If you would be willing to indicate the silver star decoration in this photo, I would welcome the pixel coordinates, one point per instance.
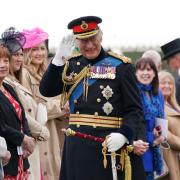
(107, 108)
(70, 77)
(107, 92)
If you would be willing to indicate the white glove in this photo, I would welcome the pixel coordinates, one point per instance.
(3, 147)
(41, 115)
(64, 51)
(115, 141)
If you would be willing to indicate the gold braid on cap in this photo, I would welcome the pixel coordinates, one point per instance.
(74, 81)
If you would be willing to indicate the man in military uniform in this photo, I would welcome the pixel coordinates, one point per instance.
(171, 51)
(104, 107)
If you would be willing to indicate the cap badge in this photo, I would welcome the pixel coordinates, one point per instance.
(84, 25)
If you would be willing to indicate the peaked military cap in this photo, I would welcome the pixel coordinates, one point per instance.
(85, 27)
(171, 48)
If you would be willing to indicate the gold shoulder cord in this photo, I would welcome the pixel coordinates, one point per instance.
(74, 81)
(121, 57)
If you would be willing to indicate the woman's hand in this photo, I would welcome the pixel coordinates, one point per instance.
(140, 147)
(66, 110)
(158, 138)
(28, 145)
(157, 131)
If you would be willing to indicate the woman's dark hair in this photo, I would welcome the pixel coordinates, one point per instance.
(141, 64)
(18, 73)
(4, 52)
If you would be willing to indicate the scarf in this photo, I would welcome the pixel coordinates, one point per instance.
(153, 107)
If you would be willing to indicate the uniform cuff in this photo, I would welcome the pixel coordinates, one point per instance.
(127, 132)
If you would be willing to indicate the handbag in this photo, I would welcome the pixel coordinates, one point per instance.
(164, 173)
(165, 169)
(3, 147)
(41, 115)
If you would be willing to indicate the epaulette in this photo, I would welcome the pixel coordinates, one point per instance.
(75, 54)
(121, 57)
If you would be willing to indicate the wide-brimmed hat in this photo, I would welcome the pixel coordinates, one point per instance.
(171, 48)
(85, 27)
(34, 37)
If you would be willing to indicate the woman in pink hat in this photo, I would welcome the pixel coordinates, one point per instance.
(36, 53)
(38, 131)
(13, 122)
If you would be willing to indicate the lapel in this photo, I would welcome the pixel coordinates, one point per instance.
(33, 80)
(22, 88)
(6, 100)
(16, 85)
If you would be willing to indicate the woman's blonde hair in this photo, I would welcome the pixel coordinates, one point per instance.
(172, 98)
(28, 62)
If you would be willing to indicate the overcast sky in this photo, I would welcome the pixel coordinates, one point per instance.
(125, 22)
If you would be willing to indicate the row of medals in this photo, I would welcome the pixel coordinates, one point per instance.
(102, 72)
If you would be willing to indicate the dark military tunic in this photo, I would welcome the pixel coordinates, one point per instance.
(82, 159)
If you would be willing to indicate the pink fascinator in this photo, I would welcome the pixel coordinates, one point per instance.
(34, 37)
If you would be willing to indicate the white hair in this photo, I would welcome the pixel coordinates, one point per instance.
(152, 54)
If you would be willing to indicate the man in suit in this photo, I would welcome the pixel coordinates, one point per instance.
(171, 52)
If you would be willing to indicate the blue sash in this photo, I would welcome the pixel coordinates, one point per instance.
(78, 91)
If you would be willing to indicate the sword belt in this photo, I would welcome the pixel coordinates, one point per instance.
(95, 121)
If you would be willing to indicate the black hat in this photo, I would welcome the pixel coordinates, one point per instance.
(12, 39)
(171, 48)
(85, 27)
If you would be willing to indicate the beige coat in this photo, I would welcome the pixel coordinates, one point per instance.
(50, 150)
(171, 156)
(37, 130)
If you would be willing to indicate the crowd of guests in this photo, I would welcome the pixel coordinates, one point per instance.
(31, 140)
(159, 99)
(30, 123)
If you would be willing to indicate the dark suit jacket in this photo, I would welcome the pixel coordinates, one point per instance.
(10, 129)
